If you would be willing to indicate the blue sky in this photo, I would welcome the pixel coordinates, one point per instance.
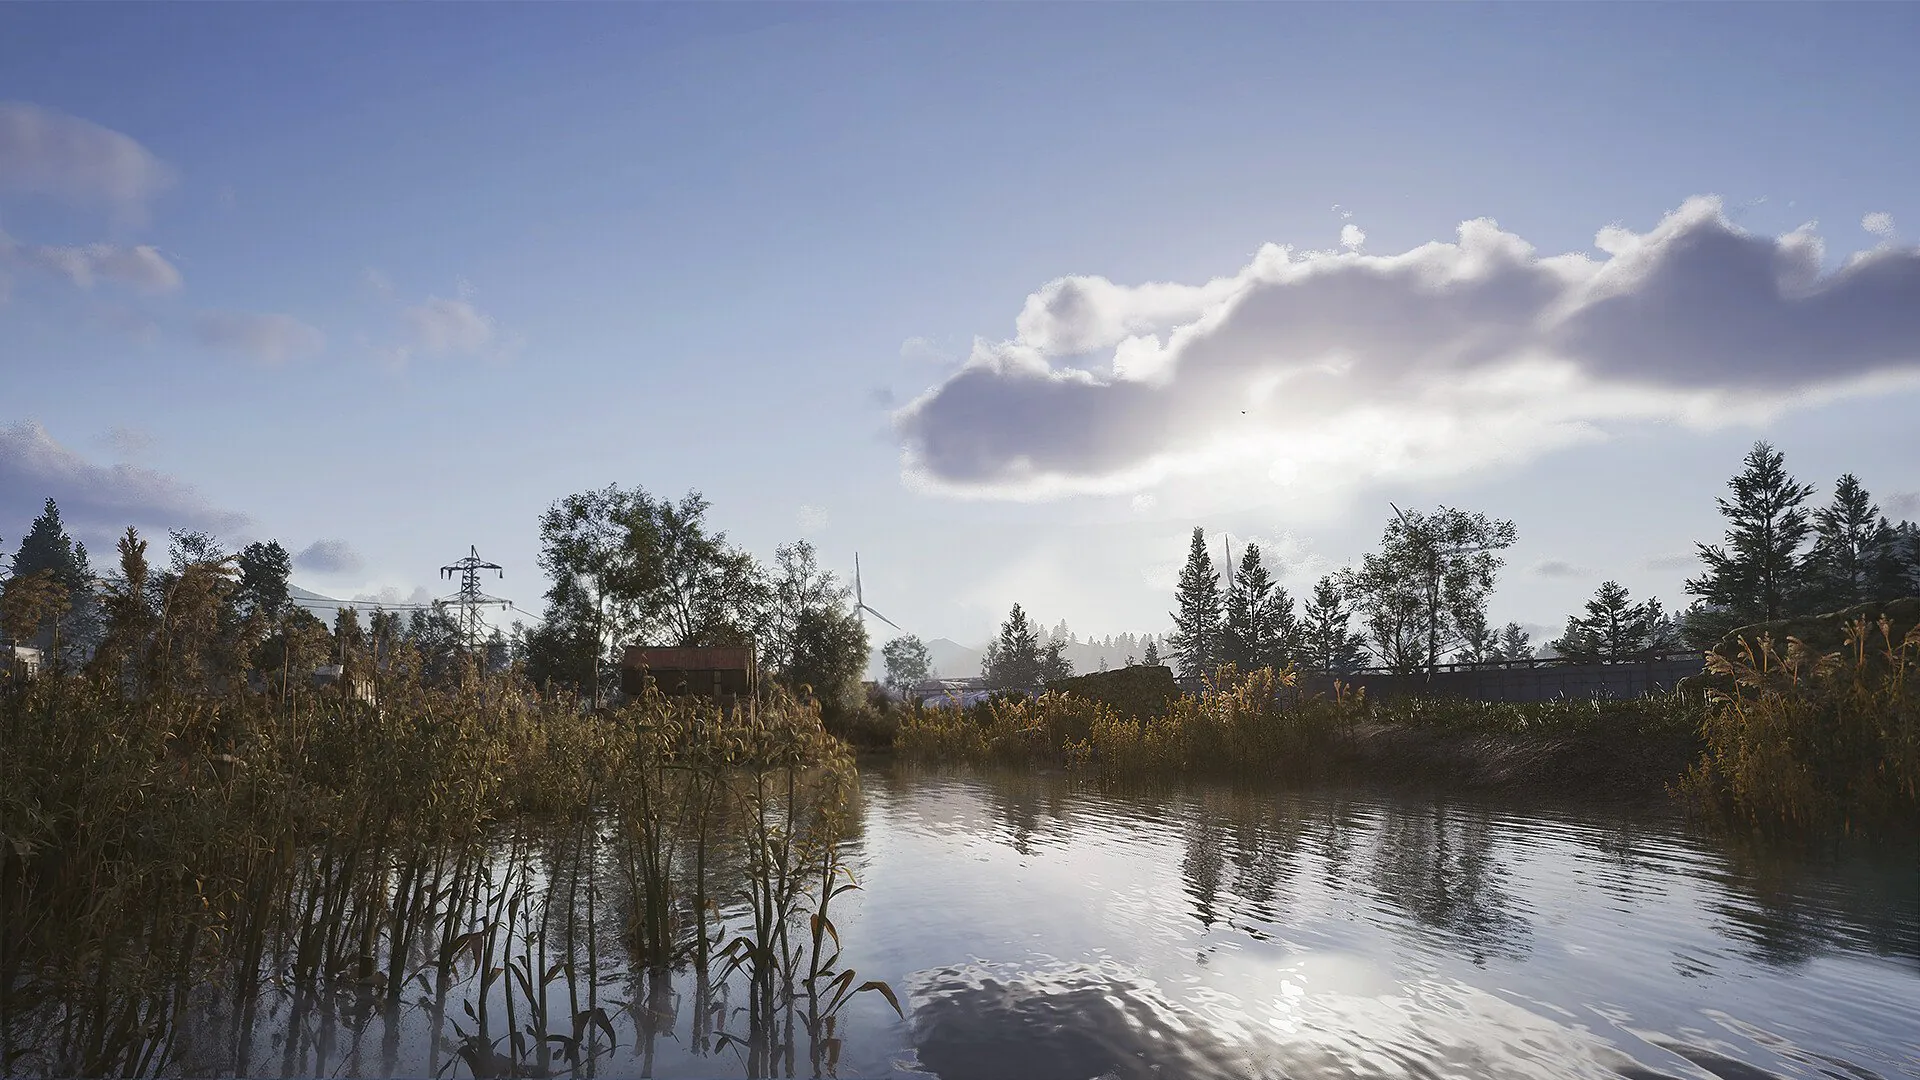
(397, 277)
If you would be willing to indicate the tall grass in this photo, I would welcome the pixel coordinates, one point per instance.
(468, 848)
(1795, 736)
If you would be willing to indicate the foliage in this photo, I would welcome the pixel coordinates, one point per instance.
(1260, 629)
(1197, 621)
(908, 662)
(264, 572)
(1014, 660)
(1759, 573)
(1806, 737)
(1140, 691)
(1428, 585)
(47, 549)
(1615, 629)
(1856, 555)
(1327, 646)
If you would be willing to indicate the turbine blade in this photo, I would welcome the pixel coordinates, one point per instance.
(857, 597)
(882, 618)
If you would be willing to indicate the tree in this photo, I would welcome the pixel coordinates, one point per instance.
(797, 589)
(124, 656)
(264, 572)
(1326, 645)
(829, 655)
(1480, 642)
(1855, 556)
(1053, 661)
(1614, 629)
(1759, 575)
(908, 662)
(601, 551)
(1196, 625)
(1013, 661)
(703, 592)
(48, 549)
(1514, 643)
(1260, 628)
(1151, 657)
(1428, 584)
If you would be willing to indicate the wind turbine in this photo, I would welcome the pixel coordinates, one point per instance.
(860, 600)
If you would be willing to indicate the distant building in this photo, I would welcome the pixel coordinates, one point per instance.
(19, 662)
(718, 672)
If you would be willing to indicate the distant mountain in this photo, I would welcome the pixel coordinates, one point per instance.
(952, 660)
(324, 608)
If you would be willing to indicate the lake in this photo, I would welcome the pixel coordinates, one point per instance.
(1036, 926)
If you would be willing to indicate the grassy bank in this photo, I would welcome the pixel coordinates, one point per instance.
(1780, 733)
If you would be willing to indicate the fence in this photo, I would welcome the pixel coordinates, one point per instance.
(1520, 680)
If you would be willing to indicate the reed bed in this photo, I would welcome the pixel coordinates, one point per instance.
(178, 865)
(1799, 737)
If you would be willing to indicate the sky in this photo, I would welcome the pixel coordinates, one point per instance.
(1006, 298)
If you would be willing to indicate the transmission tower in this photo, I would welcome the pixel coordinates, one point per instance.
(469, 600)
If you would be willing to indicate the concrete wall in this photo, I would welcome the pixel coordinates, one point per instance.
(1538, 683)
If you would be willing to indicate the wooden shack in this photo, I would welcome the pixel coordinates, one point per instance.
(718, 672)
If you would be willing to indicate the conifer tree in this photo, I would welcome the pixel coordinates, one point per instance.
(1196, 624)
(1327, 646)
(1759, 574)
(1013, 661)
(1614, 628)
(48, 549)
(1855, 555)
(1261, 629)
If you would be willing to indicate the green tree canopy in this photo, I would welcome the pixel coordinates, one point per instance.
(265, 569)
(908, 662)
(1422, 593)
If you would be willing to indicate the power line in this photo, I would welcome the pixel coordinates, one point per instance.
(470, 599)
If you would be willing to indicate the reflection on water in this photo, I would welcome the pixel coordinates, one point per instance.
(1038, 927)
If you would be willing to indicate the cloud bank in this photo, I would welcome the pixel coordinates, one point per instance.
(266, 339)
(1342, 367)
(47, 152)
(97, 502)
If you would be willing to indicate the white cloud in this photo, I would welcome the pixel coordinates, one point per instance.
(811, 519)
(446, 327)
(329, 557)
(141, 267)
(1353, 368)
(46, 152)
(265, 338)
(96, 501)
(1903, 504)
(1144, 503)
(391, 596)
(1352, 236)
(1879, 223)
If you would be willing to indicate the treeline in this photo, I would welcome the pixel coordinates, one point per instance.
(627, 567)
(1421, 599)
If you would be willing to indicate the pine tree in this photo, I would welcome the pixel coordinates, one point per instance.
(264, 571)
(1614, 628)
(1013, 661)
(1327, 646)
(48, 549)
(1151, 658)
(1854, 557)
(1515, 643)
(1261, 629)
(1196, 635)
(1054, 664)
(1760, 574)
